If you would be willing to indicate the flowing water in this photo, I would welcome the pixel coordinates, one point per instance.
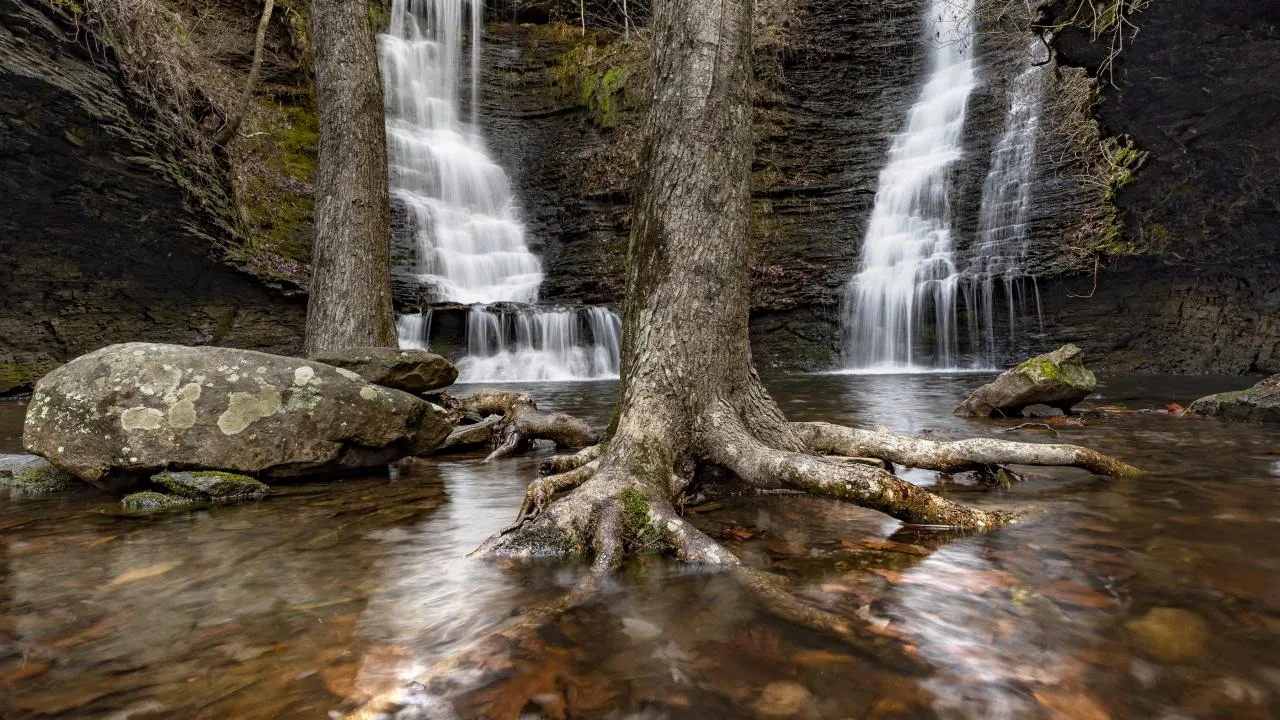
(898, 311)
(470, 243)
(1149, 598)
(995, 274)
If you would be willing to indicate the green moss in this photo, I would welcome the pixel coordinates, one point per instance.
(599, 73)
(638, 530)
(149, 501)
(37, 480)
(210, 485)
(17, 375)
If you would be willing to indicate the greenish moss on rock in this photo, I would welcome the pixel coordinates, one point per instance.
(211, 485)
(150, 501)
(1258, 404)
(1058, 379)
(32, 475)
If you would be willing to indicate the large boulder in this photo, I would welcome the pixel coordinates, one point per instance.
(415, 371)
(132, 410)
(1058, 380)
(1258, 404)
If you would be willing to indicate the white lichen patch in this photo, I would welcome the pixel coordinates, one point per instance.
(244, 409)
(368, 393)
(141, 418)
(303, 375)
(349, 375)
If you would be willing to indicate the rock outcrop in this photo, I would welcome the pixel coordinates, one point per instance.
(413, 371)
(211, 485)
(1058, 380)
(129, 411)
(111, 229)
(1258, 404)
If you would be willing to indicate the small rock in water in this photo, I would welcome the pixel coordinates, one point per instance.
(32, 475)
(149, 501)
(782, 699)
(1169, 635)
(211, 485)
(1041, 411)
(1058, 380)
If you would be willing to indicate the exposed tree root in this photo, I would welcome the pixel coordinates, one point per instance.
(958, 455)
(517, 425)
(564, 463)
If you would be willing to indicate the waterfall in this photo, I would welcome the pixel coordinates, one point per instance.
(540, 344)
(1000, 249)
(470, 242)
(904, 295)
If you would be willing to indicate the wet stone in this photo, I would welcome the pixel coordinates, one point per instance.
(782, 699)
(149, 501)
(211, 485)
(1169, 635)
(32, 474)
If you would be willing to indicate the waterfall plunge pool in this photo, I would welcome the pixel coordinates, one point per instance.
(1157, 597)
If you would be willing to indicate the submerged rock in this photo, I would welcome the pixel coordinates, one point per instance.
(32, 475)
(1258, 404)
(150, 501)
(1169, 635)
(1058, 380)
(211, 485)
(782, 699)
(129, 411)
(415, 371)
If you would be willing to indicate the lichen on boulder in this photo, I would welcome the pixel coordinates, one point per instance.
(211, 485)
(32, 475)
(126, 412)
(1258, 404)
(413, 371)
(1058, 380)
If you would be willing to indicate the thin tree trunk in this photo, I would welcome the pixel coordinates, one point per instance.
(350, 301)
(228, 131)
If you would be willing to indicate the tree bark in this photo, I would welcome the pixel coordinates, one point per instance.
(350, 299)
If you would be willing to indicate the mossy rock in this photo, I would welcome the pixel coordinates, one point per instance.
(33, 475)
(1058, 379)
(149, 501)
(211, 485)
(1258, 404)
(413, 371)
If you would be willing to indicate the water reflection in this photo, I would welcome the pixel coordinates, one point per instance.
(328, 593)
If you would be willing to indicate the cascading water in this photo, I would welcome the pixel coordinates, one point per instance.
(470, 242)
(999, 252)
(908, 268)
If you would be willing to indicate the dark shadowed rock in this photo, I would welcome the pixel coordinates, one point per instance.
(1258, 404)
(415, 371)
(128, 411)
(211, 485)
(32, 475)
(1058, 380)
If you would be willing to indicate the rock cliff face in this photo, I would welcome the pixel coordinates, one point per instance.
(104, 234)
(1191, 285)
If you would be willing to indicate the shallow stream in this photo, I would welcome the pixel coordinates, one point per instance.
(1150, 598)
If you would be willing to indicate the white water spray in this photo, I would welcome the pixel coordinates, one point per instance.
(999, 254)
(903, 297)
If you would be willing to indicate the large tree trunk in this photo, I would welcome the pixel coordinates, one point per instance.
(350, 301)
(689, 391)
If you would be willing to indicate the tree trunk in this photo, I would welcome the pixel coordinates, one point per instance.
(689, 391)
(350, 298)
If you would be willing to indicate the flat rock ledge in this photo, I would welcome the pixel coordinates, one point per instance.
(413, 371)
